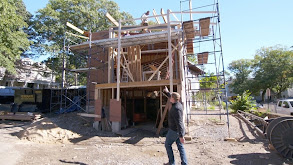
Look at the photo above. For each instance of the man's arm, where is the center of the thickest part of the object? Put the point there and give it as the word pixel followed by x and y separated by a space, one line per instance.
pixel 166 90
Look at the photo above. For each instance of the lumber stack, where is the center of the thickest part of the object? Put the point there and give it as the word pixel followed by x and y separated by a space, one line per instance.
pixel 22 116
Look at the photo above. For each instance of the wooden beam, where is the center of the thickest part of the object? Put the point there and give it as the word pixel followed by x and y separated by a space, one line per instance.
pixel 139 63
pixel 164 16
pixel 109 63
pixel 155 14
pixel 154 51
pixel 136 84
pixel 167 107
pixel 74 28
pixel 158 68
pixel 118 62
pixel 127 69
pixel 174 15
pixel 170 52
pixel 161 101
pixel 89 115
pixel 21 117
pixel 112 19
pixel 75 35
pixel 190 8
pixel 195 12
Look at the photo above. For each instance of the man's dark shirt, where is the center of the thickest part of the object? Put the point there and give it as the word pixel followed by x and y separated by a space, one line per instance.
pixel 175 118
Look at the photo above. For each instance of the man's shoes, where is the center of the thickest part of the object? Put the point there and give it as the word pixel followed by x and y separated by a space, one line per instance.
pixel 166 164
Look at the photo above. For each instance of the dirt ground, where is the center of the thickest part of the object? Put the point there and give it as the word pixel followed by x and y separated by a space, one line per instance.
pixel 70 139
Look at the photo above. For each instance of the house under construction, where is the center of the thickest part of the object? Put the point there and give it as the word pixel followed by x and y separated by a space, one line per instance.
pixel 129 66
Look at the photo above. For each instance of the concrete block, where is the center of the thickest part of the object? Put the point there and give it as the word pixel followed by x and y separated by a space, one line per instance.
pixel 116 126
pixel 96 125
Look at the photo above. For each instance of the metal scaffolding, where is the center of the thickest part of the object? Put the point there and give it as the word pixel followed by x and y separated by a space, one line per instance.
pixel 205 94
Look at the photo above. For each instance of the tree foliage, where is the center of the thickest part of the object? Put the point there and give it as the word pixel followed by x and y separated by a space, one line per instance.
pixel 50 26
pixel 13 40
pixel 272 67
pixel 242 69
pixel 88 15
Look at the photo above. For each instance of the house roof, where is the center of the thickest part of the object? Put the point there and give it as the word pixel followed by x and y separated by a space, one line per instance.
pixel 194 68
pixel 146 38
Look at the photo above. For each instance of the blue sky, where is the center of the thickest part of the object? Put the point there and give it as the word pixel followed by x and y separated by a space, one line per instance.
pixel 246 26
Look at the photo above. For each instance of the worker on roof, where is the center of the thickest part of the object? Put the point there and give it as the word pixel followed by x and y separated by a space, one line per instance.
pixel 145 22
pixel 144 18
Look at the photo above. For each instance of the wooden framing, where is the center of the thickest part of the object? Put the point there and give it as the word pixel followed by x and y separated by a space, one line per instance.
pixel 155 14
pixel 126 52
pixel 164 16
pixel 158 68
pixel 118 62
pixel 166 109
pixel 136 84
pixel 170 53
pixel 112 19
pixel 174 15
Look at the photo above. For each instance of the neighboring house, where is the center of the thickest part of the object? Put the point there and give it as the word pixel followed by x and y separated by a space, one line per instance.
pixel 288 92
pixel 193 81
pixel 28 74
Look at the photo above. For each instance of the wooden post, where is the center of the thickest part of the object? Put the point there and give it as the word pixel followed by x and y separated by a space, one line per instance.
pixel 190 9
pixel 112 93
pixel 170 52
pixel 139 63
pixel 161 101
pixel 110 56
pixel 118 61
pixel 167 107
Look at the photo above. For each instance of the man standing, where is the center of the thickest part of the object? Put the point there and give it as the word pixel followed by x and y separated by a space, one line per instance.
pixel 176 128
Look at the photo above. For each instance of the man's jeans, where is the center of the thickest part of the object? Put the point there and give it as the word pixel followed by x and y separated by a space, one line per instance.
pixel 171 137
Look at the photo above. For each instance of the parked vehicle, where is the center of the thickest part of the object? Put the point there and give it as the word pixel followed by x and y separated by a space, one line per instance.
pixel 285 106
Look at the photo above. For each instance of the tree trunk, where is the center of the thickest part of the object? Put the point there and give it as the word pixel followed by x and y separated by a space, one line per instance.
pixel 263 95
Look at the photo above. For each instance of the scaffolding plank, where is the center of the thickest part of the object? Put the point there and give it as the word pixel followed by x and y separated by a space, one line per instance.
pixel 202 58
pixel 189 46
pixel 204 25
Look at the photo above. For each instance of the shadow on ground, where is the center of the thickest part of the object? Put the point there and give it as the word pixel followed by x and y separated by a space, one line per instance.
pixel 259 159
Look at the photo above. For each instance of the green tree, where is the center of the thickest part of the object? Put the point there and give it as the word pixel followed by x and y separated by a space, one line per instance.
pixel 208 86
pixel 50 26
pixel 273 69
pixel 242 69
pixel 13 40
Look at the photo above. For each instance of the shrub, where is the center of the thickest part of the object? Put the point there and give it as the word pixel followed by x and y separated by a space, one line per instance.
pixel 244 102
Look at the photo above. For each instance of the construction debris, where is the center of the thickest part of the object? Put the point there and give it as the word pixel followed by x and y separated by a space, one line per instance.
pixel 44 131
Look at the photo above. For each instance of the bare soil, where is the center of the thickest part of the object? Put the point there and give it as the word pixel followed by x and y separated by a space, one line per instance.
pixel 70 139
